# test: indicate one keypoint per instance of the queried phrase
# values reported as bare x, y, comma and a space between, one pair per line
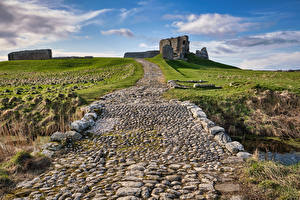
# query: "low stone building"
202, 54
146, 54
41, 54
180, 46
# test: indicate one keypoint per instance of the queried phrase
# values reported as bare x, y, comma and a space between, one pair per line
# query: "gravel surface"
145, 147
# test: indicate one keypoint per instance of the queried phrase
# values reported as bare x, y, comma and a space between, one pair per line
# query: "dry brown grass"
274, 114
21, 135
270, 180
20, 167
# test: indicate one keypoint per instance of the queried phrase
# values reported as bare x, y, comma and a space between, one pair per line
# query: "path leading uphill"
147, 148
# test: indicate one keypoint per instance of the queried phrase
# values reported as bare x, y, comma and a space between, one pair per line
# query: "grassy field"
249, 101
41, 97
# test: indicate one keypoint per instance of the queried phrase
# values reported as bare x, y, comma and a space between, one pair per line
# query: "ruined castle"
175, 48
169, 48
172, 49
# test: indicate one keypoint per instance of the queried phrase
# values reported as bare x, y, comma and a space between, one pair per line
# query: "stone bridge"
144, 147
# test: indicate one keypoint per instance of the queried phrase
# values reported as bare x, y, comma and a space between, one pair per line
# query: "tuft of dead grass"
271, 180
20, 167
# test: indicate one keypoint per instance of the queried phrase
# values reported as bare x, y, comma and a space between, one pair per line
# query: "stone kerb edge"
77, 127
218, 132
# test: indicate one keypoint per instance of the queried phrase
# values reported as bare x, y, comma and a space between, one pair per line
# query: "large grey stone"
216, 129
48, 153
173, 178
57, 137
89, 116
94, 107
207, 187
236, 197
132, 184
207, 124
81, 125
73, 135
234, 147
198, 112
52, 146
128, 191
243, 155
126, 198
222, 138
138, 167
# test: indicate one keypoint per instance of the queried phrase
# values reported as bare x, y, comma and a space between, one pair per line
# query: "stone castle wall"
180, 45
41, 54
146, 54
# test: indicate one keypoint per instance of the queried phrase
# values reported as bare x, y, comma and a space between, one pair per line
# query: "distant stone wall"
41, 54
146, 54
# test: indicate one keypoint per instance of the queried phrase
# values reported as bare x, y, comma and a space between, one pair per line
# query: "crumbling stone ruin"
171, 49
146, 54
41, 54
202, 54
180, 47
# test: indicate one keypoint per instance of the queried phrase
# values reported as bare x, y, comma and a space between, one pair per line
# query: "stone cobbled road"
145, 147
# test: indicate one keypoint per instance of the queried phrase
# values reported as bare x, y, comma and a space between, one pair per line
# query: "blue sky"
252, 34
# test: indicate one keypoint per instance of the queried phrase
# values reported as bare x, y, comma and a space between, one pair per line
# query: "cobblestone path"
146, 148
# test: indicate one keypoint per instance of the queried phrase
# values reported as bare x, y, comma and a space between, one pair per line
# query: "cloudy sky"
253, 34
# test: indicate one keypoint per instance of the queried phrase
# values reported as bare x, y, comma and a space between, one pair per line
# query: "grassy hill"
252, 102
40, 97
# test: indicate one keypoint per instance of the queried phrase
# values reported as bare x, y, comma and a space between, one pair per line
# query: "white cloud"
27, 23
3, 58
274, 61
123, 32
281, 38
62, 53
144, 3
212, 24
146, 46
262, 51
143, 45
173, 17
126, 13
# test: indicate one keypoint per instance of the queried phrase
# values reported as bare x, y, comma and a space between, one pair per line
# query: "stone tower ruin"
179, 46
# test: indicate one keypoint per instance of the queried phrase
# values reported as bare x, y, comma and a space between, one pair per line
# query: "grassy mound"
252, 102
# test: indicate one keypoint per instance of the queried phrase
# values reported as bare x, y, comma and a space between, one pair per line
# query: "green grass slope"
39, 97
85, 74
245, 94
